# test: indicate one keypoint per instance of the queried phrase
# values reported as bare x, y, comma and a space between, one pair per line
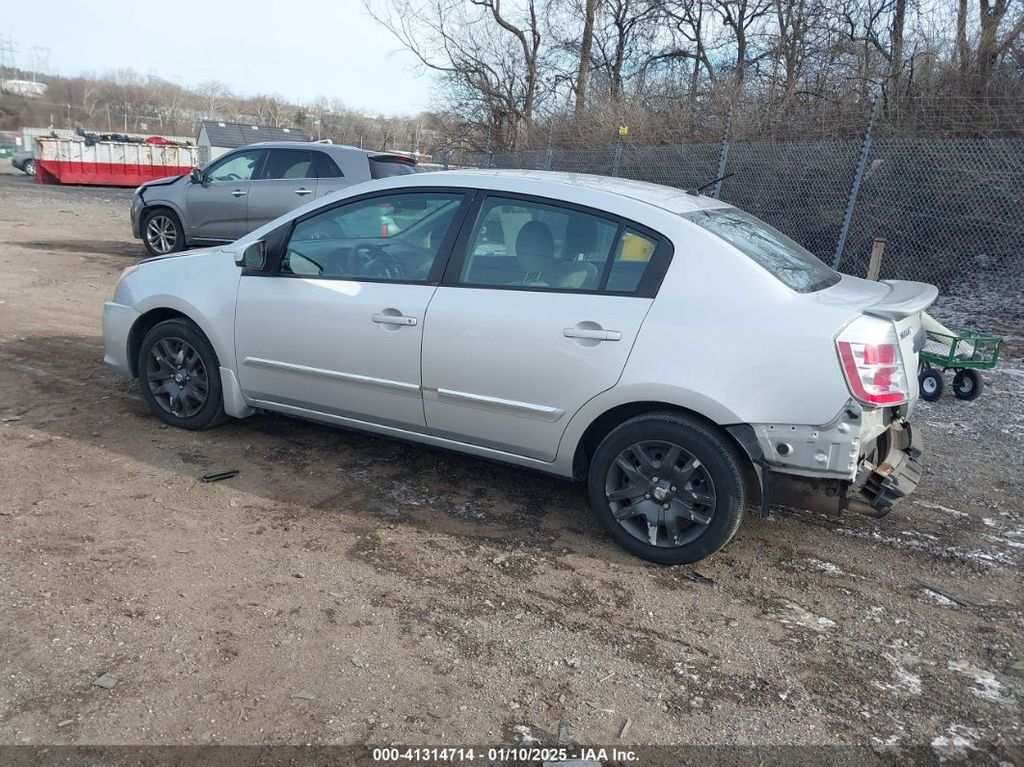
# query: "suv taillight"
869, 353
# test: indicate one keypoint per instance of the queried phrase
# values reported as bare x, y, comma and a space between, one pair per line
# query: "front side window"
394, 237
237, 167
784, 259
289, 164
528, 244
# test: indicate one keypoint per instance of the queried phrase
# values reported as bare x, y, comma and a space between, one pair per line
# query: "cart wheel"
967, 384
931, 384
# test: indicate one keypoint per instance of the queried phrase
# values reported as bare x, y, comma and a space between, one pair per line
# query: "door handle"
303, 191
593, 334
238, 193
393, 319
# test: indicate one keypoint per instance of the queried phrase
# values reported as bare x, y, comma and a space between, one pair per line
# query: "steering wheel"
230, 177
373, 261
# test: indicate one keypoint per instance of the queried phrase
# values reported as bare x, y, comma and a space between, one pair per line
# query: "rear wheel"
667, 488
30, 167
179, 376
162, 232
931, 384
967, 384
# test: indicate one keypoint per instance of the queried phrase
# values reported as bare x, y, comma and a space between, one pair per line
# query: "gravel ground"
347, 589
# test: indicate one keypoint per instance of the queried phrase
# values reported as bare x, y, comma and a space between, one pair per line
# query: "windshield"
783, 258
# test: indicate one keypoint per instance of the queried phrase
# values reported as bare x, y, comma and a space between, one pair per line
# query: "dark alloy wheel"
967, 384
162, 233
30, 167
931, 384
179, 375
668, 488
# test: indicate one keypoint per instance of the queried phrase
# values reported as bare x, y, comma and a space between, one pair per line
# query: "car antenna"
701, 188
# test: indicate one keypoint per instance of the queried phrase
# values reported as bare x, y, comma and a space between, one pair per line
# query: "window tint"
326, 167
393, 237
385, 167
237, 167
784, 259
288, 163
519, 243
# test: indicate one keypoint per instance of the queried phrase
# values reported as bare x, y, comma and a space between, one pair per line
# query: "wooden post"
875, 265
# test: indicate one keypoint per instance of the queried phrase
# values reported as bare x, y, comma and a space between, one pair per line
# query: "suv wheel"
162, 232
30, 167
180, 376
667, 488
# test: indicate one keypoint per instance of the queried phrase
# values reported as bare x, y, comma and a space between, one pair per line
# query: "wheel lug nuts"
665, 506
673, 488
647, 496
654, 479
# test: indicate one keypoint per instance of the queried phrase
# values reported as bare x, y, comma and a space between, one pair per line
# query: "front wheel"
162, 232
180, 376
967, 384
667, 488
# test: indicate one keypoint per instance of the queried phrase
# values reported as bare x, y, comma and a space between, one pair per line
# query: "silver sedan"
676, 354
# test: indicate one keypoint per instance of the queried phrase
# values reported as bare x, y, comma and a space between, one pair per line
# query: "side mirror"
253, 257
197, 176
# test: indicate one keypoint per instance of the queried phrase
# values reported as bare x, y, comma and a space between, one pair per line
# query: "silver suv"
675, 353
244, 189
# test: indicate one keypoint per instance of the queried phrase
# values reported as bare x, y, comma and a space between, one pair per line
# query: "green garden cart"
963, 351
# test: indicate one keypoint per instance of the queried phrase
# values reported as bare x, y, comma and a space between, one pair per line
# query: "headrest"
535, 247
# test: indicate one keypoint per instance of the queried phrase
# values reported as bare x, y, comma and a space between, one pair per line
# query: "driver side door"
333, 330
218, 208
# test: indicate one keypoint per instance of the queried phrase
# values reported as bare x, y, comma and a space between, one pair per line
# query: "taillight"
870, 355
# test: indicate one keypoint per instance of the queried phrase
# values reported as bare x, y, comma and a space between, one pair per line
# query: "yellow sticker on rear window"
635, 248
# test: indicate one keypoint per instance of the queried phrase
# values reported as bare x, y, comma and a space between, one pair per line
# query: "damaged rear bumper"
886, 473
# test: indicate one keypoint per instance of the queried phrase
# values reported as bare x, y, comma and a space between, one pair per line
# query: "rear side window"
385, 167
784, 259
289, 164
325, 167
534, 246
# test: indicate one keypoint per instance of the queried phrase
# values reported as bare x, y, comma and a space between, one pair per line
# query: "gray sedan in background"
244, 189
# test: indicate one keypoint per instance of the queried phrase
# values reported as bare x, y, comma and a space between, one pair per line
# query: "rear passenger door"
286, 181
537, 314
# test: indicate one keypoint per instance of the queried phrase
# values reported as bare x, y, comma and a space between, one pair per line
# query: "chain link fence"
950, 209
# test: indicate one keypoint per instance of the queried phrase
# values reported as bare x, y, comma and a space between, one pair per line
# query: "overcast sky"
298, 50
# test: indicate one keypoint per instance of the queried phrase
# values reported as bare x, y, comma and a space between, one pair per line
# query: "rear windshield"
385, 167
784, 259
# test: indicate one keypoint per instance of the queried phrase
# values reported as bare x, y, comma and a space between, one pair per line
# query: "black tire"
162, 232
931, 384
967, 385
707, 466
30, 168
184, 393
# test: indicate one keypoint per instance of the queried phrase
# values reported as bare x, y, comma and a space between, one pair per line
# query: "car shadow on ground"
60, 387
101, 247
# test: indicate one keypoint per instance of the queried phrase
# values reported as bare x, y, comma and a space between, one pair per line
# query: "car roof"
325, 147
305, 145
551, 183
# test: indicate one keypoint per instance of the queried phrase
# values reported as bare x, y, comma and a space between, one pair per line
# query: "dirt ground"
348, 589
